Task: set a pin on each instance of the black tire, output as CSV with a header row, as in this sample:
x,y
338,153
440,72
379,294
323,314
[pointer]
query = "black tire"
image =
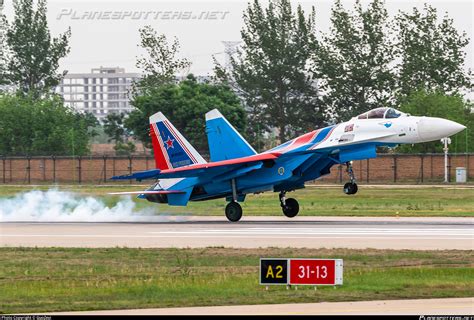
x,y
354,188
350,188
291,208
233,211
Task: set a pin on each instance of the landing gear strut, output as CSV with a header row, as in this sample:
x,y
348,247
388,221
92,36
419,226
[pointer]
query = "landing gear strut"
x,y
350,187
290,206
233,210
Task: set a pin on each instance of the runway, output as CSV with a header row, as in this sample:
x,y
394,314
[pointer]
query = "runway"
x,y
251,232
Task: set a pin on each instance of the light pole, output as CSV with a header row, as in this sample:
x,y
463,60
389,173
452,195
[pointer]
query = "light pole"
x,y
446,142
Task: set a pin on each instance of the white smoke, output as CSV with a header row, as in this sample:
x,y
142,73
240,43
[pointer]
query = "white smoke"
x,y
60,206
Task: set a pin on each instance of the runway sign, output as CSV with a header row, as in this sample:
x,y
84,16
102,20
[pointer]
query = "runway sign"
x,y
316,272
273,271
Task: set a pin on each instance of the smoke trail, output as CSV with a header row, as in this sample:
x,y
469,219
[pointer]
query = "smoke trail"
x,y
60,206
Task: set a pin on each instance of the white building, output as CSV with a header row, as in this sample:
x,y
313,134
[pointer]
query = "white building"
x,y
102,91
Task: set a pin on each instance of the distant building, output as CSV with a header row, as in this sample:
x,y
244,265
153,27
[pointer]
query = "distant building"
x,y
100,92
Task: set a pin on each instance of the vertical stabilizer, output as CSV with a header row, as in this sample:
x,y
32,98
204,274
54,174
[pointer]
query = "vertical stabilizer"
x,y
171,149
225,142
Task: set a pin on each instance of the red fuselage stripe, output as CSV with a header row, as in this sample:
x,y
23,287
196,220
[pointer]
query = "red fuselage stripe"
x,y
298,142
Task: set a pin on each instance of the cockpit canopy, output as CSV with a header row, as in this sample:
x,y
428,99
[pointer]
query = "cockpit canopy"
x,y
381,113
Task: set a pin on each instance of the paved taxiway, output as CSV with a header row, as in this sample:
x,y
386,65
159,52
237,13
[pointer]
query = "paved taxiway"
x,y
451,306
251,232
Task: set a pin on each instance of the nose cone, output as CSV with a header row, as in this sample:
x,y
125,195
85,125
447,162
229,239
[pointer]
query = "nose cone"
x,y
430,129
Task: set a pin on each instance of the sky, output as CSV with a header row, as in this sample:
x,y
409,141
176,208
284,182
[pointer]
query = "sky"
x,y
105,32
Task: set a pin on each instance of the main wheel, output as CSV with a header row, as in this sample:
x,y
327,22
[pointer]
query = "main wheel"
x,y
291,208
350,188
233,211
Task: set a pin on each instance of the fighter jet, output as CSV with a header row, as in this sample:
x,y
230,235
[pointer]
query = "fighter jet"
x,y
236,169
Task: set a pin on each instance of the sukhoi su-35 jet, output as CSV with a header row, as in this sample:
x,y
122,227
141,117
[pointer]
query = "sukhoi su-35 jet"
x,y
236,169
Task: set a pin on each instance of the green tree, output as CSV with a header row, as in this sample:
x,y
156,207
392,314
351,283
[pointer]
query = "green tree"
x,y
34,59
114,128
161,64
431,53
3,46
90,122
42,126
353,60
185,104
271,72
439,104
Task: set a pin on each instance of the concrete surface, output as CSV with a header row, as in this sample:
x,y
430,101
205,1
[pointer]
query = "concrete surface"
x,y
251,232
450,306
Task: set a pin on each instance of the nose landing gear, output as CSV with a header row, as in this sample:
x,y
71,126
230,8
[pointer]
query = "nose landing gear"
x,y
290,206
351,186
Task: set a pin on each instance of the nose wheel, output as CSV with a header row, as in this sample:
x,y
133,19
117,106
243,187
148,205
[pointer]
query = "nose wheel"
x,y
351,186
290,206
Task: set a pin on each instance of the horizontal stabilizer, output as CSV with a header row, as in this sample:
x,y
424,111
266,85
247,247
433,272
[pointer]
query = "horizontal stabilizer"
x,y
148,192
225,142
141,175
182,198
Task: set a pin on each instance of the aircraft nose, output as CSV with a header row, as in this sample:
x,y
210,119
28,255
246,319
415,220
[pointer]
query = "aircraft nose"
x,y
430,129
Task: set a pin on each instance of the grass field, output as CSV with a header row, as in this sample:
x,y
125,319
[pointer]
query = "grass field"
x,y
56,279
314,201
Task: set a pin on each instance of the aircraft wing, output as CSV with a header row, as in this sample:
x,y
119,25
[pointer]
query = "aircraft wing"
x,y
215,167
148,192
212,168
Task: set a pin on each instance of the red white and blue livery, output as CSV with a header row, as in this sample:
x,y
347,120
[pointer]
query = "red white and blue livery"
x,y
236,169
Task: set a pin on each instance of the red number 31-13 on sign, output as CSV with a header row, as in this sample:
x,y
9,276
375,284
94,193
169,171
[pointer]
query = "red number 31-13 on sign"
x,y
315,271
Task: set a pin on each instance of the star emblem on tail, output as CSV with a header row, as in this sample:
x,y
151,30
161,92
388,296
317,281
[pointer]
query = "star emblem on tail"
x,y
169,143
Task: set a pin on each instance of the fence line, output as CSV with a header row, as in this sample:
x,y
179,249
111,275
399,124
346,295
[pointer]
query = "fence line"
x,y
386,168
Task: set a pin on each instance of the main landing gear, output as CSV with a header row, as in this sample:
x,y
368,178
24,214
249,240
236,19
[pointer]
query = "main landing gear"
x,y
351,186
290,206
233,210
